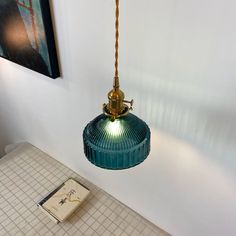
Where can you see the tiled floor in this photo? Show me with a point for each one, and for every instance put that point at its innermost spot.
(27, 174)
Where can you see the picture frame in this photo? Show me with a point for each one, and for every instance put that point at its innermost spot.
(27, 36)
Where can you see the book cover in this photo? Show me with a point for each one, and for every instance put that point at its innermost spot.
(64, 200)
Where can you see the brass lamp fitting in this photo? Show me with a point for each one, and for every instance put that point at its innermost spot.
(116, 106)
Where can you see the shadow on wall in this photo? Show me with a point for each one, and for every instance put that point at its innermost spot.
(1, 150)
(4, 132)
(3, 143)
(203, 119)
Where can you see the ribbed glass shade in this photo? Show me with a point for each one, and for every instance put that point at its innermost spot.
(116, 145)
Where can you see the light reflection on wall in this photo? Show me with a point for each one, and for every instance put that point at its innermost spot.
(187, 112)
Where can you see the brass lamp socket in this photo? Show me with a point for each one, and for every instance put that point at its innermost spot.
(116, 106)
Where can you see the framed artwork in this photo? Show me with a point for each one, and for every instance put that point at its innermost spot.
(26, 35)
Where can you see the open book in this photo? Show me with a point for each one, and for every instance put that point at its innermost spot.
(64, 200)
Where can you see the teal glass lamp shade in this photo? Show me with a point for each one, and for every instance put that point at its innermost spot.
(118, 144)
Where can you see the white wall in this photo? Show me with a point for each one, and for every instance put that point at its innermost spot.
(177, 60)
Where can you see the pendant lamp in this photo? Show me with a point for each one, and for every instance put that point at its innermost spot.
(116, 139)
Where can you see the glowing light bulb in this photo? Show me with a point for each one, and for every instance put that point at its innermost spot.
(114, 128)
